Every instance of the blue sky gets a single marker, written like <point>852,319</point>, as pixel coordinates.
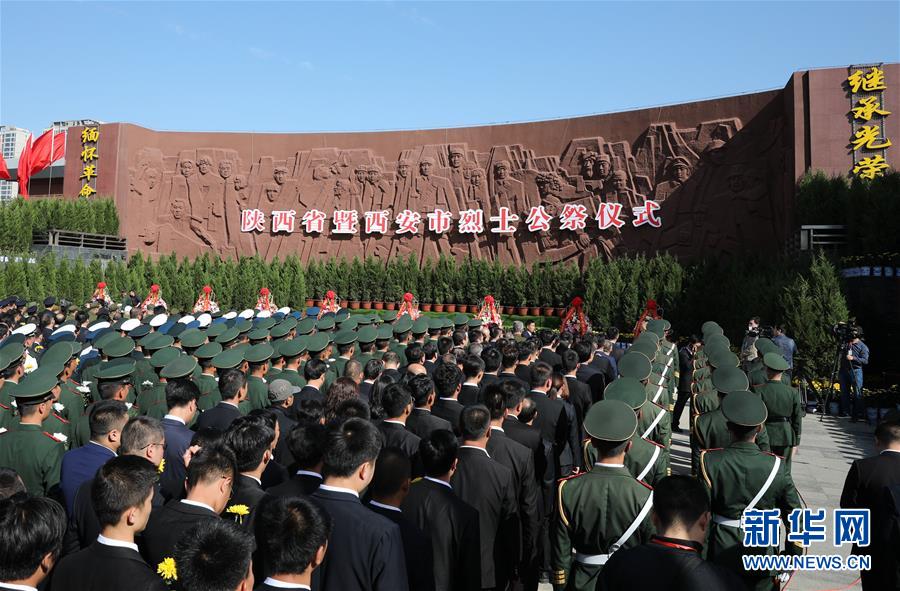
<point>279,66</point>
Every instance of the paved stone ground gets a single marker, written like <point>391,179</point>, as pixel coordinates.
<point>827,448</point>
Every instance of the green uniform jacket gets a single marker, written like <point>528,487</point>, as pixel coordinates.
<point>646,460</point>
<point>785,420</point>
<point>209,392</point>
<point>60,428</point>
<point>71,399</point>
<point>705,402</point>
<point>661,432</point>
<point>595,509</point>
<point>257,393</point>
<point>7,408</point>
<point>152,402</point>
<point>35,455</point>
<point>144,374</point>
<point>711,432</point>
<point>293,377</point>
<point>733,476</point>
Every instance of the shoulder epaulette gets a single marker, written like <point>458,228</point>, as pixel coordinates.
<point>561,480</point>
<point>64,421</point>
<point>51,437</point>
<point>660,445</point>
<point>644,483</point>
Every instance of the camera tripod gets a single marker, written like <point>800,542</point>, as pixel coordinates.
<point>839,354</point>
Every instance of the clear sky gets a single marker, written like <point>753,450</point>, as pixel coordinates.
<point>280,66</point>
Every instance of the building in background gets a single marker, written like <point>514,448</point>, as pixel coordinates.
<point>12,142</point>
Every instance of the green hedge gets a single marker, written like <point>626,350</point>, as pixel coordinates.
<point>19,218</point>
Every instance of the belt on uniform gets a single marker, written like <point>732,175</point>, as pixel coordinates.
<point>778,420</point>
<point>725,521</point>
<point>591,559</point>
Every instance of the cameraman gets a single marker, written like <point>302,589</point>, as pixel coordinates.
<point>748,347</point>
<point>851,375</point>
<point>786,344</point>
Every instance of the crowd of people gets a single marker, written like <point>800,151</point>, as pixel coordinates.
<point>323,450</point>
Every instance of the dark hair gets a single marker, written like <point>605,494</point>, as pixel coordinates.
<point>209,464</point>
<point>295,528</point>
<point>352,408</point>
<point>612,333</point>
<point>529,409</point>
<point>570,360</point>
<point>584,349</point>
<point>430,350</point>
<point>459,337</point>
<point>10,483</point>
<point>214,555</point>
<point>345,348</point>
<point>888,432</point>
<point>510,354</point>
<point>108,388</point>
<point>414,353</point>
<point>249,438</point>
<point>395,399</point>
<point>107,415</point>
<point>181,392</point>
<point>492,359</point>
<point>208,437</point>
<point>438,452</point>
<point>447,378</point>
<point>373,369</point>
<point>314,369</point>
<point>120,484</point>
<point>392,470</point>
<point>307,444</point>
<point>679,499</point>
<point>606,449</point>
<point>140,432</point>
<point>513,393</point>
<point>309,411</point>
<point>230,383</point>
<point>342,389</point>
<point>741,432</point>
<point>474,422</point>
<point>390,357</point>
<point>540,373</point>
<point>420,387</point>
<point>472,365</point>
<point>525,350</point>
<point>350,445</point>
<point>378,388</point>
<point>495,400</point>
<point>352,368</point>
<point>444,344</point>
<point>547,337</point>
<point>30,528</point>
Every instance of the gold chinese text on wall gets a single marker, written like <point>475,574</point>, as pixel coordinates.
<point>868,144</point>
<point>90,137</point>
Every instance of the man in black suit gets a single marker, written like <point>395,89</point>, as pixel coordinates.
<point>371,371</point>
<point>527,355</point>
<point>866,488</point>
<point>314,373</point>
<point>281,401</point>
<point>391,365</point>
<point>30,543</point>
<point>451,523</point>
<point>603,361</point>
<point>365,550</point>
<point>586,373</point>
<point>210,476</point>
<point>307,443</point>
<point>551,417</point>
<point>447,385</point>
<point>518,426</point>
<point>215,554</point>
<point>294,544</point>
<point>251,439</point>
<point>233,387</point>
<point>548,352</point>
<point>122,495</point>
<point>389,488</point>
<point>473,372</point>
<point>397,404</point>
<point>181,402</point>
<point>579,392</point>
<point>488,486</point>
<point>493,359</point>
<point>509,364</point>
<point>421,421</point>
<point>520,461</point>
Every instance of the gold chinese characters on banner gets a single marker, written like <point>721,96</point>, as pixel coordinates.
<point>90,137</point>
<point>868,144</point>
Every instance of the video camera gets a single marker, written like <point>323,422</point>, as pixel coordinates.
<point>844,332</point>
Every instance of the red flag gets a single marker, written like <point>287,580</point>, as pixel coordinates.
<point>4,170</point>
<point>59,146</point>
<point>23,171</point>
<point>41,152</point>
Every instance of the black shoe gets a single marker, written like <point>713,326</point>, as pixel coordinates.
<point>677,430</point>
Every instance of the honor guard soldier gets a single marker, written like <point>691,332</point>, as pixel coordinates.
<point>602,510</point>
<point>257,357</point>
<point>114,383</point>
<point>206,381</point>
<point>741,478</point>
<point>785,419</point>
<point>656,422</point>
<point>27,448</point>
<point>12,357</point>
<point>293,351</point>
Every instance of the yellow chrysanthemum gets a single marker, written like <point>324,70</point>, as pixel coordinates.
<point>166,569</point>
<point>238,510</point>
<point>162,466</point>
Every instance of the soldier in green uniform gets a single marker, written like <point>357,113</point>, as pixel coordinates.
<point>402,334</point>
<point>115,347</point>
<point>656,422</point>
<point>785,420</point>
<point>602,510</point>
<point>740,477</point>
<point>319,347</point>
<point>646,460</point>
<point>345,341</point>
<point>114,383</point>
<point>366,337</point>
<point>55,424</point>
<point>719,360</point>
<point>152,401</point>
<point>206,381</point>
<point>294,353</point>
<point>257,358</point>
<point>181,368</point>
<point>27,448</point>
<point>12,362</point>
<point>757,372</point>
<point>71,403</point>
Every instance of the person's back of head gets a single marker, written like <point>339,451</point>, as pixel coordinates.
<point>680,502</point>
<point>540,374</point>
<point>472,366</point>
<point>438,453</point>
<point>373,369</point>
<point>215,555</point>
<point>526,350</point>
<point>208,437</point>
<point>348,447</point>
<point>181,393</point>
<point>529,410</point>
<point>513,393</point>
<point>510,354</point>
<point>122,490</point>
<point>107,419</point>
<point>414,353</point>
<point>547,337</point>
<point>396,400</point>
<point>459,337</point>
<point>214,469</point>
<point>307,444</point>
<point>392,475</point>
<point>492,359</point>
<point>250,440</point>
<point>108,389</point>
<point>10,483</point>
<point>31,537</point>
<point>518,327</point>
<point>342,389</point>
<point>570,361</point>
<point>444,344</point>
<point>230,383</point>
<point>141,436</point>
<point>349,409</point>
<point>495,401</point>
<point>474,422</point>
<point>447,379</point>
<point>612,333</point>
<point>391,360</point>
<point>584,350</point>
<point>309,411</point>
<point>297,532</point>
<point>430,350</point>
<point>314,369</point>
<point>353,370</point>
<point>420,387</point>
<point>887,434</point>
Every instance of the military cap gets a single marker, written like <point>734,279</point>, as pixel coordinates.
<point>169,326</point>
<point>216,329</point>
<point>657,326</point>
<point>610,420</point>
<point>52,368</point>
<point>246,314</point>
<point>475,323</point>
<point>403,324</point>
<point>115,369</point>
<point>713,330</point>
<point>281,330</point>
<point>775,362</point>
<point>228,359</point>
<point>49,301</point>
<point>31,309</point>
<point>159,320</point>
<point>313,311</point>
<point>11,353</point>
<point>420,326</point>
<point>716,340</point>
<point>390,316</point>
<point>204,320</point>
<point>228,335</point>
<point>281,390</point>
<point>129,325</point>
<point>341,315</point>
<point>208,351</point>
<point>629,390</point>
<point>645,347</point>
<point>728,379</point>
<point>35,387</point>
<point>306,325</point>
<point>266,323</point>
<point>155,341</point>
<point>460,319</point>
<point>764,345</point>
<point>243,325</point>
<point>720,358</point>
<point>447,323</point>
<point>345,337</point>
<point>635,364</point>
<point>259,353</point>
<point>291,347</point>
<point>744,408</point>
<point>15,338</point>
<point>192,337</point>
<point>708,326</point>
<point>164,356</point>
<point>118,347</point>
<point>325,323</point>
<point>367,334</point>
<point>180,367</point>
<point>648,336</point>
<point>435,324</point>
<point>317,342</point>
<point>104,337</point>
<point>139,332</point>
<point>258,334</point>
<point>60,352</point>
<point>363,320</point>
<point>384,333</point>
